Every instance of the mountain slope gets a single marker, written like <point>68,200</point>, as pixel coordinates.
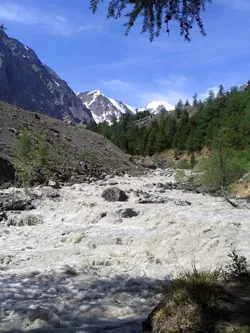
<point>27,83</point>
<point>66,143</point>
<point>104,108</point>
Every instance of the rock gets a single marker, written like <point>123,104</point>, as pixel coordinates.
<point>114,194</point>
<point>3,216</point>
<point>99,217</point>
<point>5,259</point>
<point>168,186</point>
<point>66,269</point>
<point>29,220</point>
<point>128,213</point>
<point>40,317</point>
<point>7,171</point>
<point>112,182</point>
<point>159,185</point>
<point>145,198</point>
<point>53,183</point>
<point>182,202</point>
<point>9,203</point>
<point>103,214</point>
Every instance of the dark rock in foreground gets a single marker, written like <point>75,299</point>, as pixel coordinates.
<point>114,194</point>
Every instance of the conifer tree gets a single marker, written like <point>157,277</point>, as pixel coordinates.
<point>157,13</point>
<point>195,101</point>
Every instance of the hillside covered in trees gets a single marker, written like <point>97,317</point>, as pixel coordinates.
<point>189,128</point>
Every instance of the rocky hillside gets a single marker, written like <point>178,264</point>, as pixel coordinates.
<point>26,82</point>
<point>104,108</point>
<point>66,142</point>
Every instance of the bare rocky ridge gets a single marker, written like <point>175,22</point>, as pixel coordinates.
<point>66,141</point>
<point>76,263</point>
<point>28,83</point>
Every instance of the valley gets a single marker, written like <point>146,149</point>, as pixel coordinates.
<point>125,191</point>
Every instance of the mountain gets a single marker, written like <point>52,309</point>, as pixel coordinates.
<point>158,106</point>
<point>28,83</point>
<point>104,108</point>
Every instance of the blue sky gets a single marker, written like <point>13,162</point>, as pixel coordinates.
<point>90,52</point>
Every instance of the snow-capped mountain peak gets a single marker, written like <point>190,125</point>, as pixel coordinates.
<point>94,92</point>
<point>104,108</point>
<point>158,106</point>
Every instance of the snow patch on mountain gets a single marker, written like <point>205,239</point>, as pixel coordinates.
<point>104,108</point>
<point>158,106</point>
<point>119,105</point>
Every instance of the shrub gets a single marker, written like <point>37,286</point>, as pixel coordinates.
<point>237,269</point>
<point>189,303</point>
<point>32,159</point>
<point>180,175</point>
<point>202,301</point>
<point>222,168</point>
<point>192,161</point>
<point>89,156</point>
<point>184,164</point>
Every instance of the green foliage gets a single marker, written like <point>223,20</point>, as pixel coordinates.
<point>80,126</point>
<point>89,156</point>
<point>183,164</point>
<point>237,269</point>
<point>224,116</point>
<point>32,159</point>
<point>189,304</point>
<point>157,13</point>
<point>222,168</point>
<point>180,175</point>
<point>192,161</point>
<point>200,301</point>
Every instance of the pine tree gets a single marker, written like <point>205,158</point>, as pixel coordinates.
<point>2,30</point>
<point>195,99</point>
<point>155,13</point>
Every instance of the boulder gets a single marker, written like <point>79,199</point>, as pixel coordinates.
<point>3,216</point>
<point>114,194</point>
<point>7,171</point>
<point>28,220</point>
<point>53,183</point>
<point>128,213</point>
<point>9,203</point>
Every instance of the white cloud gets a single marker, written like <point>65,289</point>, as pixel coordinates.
<point>143,96</point>
<point>170,90</point>
<point>55,24</point>
<point>205,94</point>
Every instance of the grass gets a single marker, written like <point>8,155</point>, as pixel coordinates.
<point>204,301</point>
